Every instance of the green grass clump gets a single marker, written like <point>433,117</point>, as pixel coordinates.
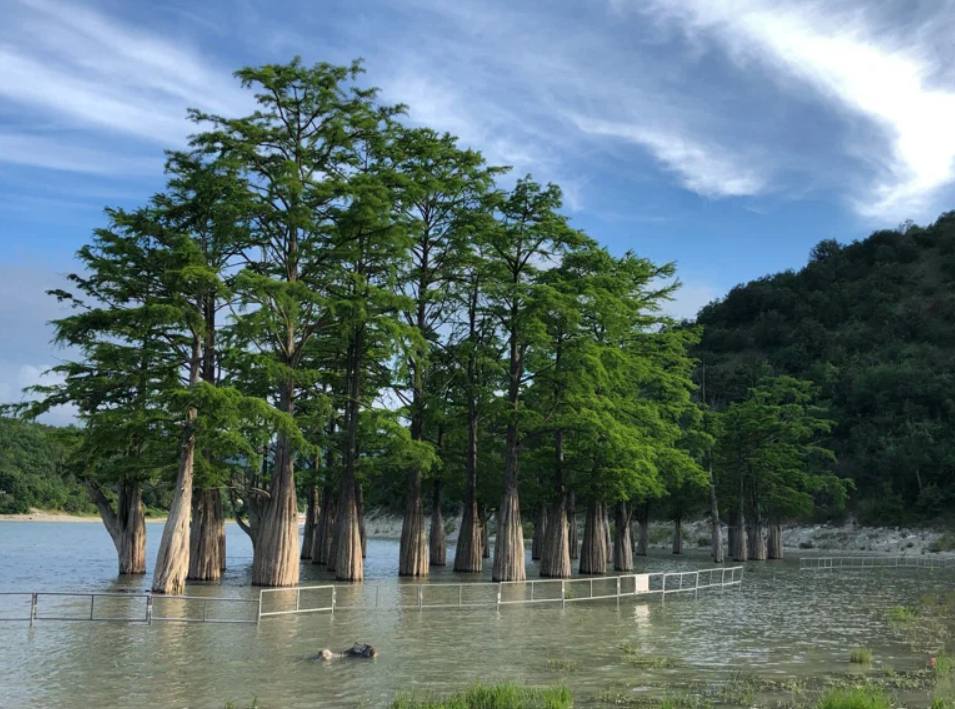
<point>562,665</point>
<point>946,542</point>
<point>861,656</point>
<point>939,703</point>
<point>864,698</point>
<point>492,696</point>
<point>944,664</point>
<point>901,614</point>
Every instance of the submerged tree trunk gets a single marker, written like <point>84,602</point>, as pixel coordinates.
<point>509,546</point>
<point>731,526</point>
<point>622,551</point>
<point>275,559</point>
<point>311,522</point>
<point>335,527</point>
<point>540,532</point>
<point>605,515</point>
<point>413,550</point>
<point>470,546</point>
<point>437,543</point>
<point>360,504</point>
<point>740,546</point>
<point>757,537</point>
<point>573,541</point>
<point>324,527</point>
<point>485,533</point>
<point>172,561</point>
<point>678,535</point>
<point>643,539</point>
<point>348,560</point>
<point>126,525</point>
<point>716,532</point>
<point>206,536</point>
<point>555,556</point>
<point>775,544</point>
<point>593,552</point>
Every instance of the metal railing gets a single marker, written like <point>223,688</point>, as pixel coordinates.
<point>125,607</point>
<point>483,594</point>
<point>827,563</point>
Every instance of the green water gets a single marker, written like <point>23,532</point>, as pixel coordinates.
<point>780,624</point>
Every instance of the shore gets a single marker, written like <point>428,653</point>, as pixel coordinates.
<point>845,538</point>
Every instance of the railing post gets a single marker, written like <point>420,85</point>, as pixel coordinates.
<point>298,598</point>
<point>563,593</point>
<point>92,603</point>
<point>205,605</point>
<point>420,596</point>
<point>498,595</point>
<point>334,598</point>
<point>618,592</point>
<point>258,610</point>
<point>32,608</point>
<point>696,588</point>
<point>532,590</point>
<point>149,610</point>
<point>591,587</point>
<point>460,595</point>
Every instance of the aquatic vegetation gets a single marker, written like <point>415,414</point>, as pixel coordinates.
<point>638,659</point>
<point>563,665</point>
<point>901,614</point>
<point>861,656</point>
<point>492,696</point>
<point>857,698</point>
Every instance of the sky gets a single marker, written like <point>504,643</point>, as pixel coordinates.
<point>728,136</point>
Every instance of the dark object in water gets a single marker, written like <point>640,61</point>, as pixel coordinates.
<point>357,650</point>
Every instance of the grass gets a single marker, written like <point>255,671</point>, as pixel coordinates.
<point>859,698</point>
<point>638,659</point>
<point>491,696</point>
<point>946,542</point>
<point>860,656</point>
<point>901,614</point>
<point>563,666</point>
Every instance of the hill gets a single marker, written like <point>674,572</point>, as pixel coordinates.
<point>872,323</point>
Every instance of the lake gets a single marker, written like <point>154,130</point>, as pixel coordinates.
<point>780,624</point>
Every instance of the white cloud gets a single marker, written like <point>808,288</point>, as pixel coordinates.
<point>707,169</point>
<point>55,153</point>
<point>15,378</point>
<point>853,63</point>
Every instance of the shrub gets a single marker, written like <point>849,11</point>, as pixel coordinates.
<point>861,656</point>
<point>866,698</point>
<point>900,614</point>
<point>450,526</point>
<point>703,542</point>
<point>946,542</point>
<point>806,545</point>
<point>494,696</point>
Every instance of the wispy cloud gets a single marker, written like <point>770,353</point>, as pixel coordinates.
<point>703,168</point>
<point>883,74</point>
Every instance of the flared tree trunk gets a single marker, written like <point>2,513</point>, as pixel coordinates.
<point>413,550</point>
<point>555,557</point>
<point>275,559</point>
<point>437,544</point>
<point>325,527</point>
<point>540,532</point>
<point>593,551</point>
<point>348,560</point>
<point>775,544</point>
<point>126,525</point>
<point>335,528</point>
<point>739,545</point>
<point>716,532</point>
<point>643,539</point>
<point>509,546</point>
<point>757,535</point>
<point>206,536</point>
<point>469,551</point>
<point>678,535</point>
<point>485,533</point>
<point>573,535</point>
<point>605,514</point>
<point>172,561</point>
<point>360,503</point>
<point>622,551</point>
<point>312,510</point>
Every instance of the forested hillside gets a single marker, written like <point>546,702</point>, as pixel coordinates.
<point>34,470</point>
<point>872,324</point>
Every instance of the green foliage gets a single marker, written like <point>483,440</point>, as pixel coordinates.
<point>860,698</point>
<point>860,656</point>
<point>496,696</point>
<point>868,324</point>
<point>946,542</point>
<point>37,469</point>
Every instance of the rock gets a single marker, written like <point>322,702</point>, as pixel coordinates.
<point>361,650</point>
<point>325,654</point>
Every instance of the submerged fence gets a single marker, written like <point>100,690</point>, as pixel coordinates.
<point>828,563</point>
<point>126,608</point>
<point>331,597</point>
<point>154,608</point>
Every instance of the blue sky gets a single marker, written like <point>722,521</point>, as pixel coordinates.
<point>726,135</point>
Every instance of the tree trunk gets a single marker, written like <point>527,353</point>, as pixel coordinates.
<point>555,555</point>
<point>485,533</point>
<point>437,544</point>
<point>348,561</point>
<point>572,539</point>
<point>740,547</point>
<point>540,532</point>
<point>731,527</point>
<point>275,559</point>
<point>757,537</point>
<point>325,529</point>
<point>716,532</point>
<point>469,550</point>
<point>360,503</point>
<point>126,525</point>
<point>593,551</point>
<point>206,550</point>
<point>311,522</point>
<point>509,547</point>
<point>605,515</point>
<point>413,550</point>
<point>678,535</point>
<point>643,517</point>
<point>336,529</point>
<point>622,551</point>
<point>775,550</point>
<point>172,561</point>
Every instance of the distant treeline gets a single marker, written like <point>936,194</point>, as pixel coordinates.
<point>872,325</point>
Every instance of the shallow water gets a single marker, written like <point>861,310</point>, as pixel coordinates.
<point>780,623</point>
